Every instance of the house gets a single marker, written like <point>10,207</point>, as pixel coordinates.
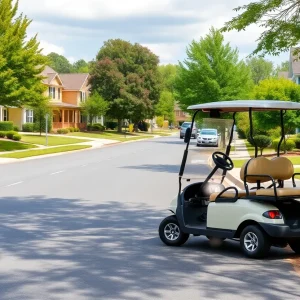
<point>66,92</point>
<point>180,116</point>
<point>294,68</point>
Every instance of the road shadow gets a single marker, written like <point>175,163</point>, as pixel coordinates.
<point>54,248</point>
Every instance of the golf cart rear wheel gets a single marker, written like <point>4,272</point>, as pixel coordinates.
<point>170,232</point>
<point>255,242</point>
<point>295,245</point>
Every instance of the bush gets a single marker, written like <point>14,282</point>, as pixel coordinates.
<point>274,133</point>
<point>297,143</point>
<point>2,134</point>
<point>289,145</point>
<point>16,137</point>
<point>76,129</point>
<point>95,127</point>
<point>111,125</point>
<point>71,129</point>
<point>262,142</point>
<point>62,131</point>
<point>10,134</point>
<point>6,126</point>
<point>160,121</point>
<point>28,127</point>
<point>16,128</point>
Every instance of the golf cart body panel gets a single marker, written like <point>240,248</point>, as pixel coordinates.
<point>240,211</point>
<point>264,214</point>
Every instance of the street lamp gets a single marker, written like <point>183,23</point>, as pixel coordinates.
<point>47,116</point>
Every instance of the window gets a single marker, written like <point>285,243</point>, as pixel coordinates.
<point>177,113</point>
<point>29,116</point>
<point>58,93</point>
<point>82,96</point>
<point>52,92</point>
<point>5,114</point>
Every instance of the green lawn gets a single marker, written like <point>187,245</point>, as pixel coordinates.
<point>52,140</point>
<point>112,135</point>
<point>30,153</point>
<point>12,146</point>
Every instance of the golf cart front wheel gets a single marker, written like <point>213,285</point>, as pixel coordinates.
<point>170,232</point>
<point>255,243</point>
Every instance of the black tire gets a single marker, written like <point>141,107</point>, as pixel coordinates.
<point>177,238</point>
<point>198,145</point>
<point>261,242</point>
<point>295,245</point>
<point>181,137</point>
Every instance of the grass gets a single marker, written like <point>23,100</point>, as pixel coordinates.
<point>52,140</point>
<point>31,153</point>
<point>12,146</point>
<point>112,135</point>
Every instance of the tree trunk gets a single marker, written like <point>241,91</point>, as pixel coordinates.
<point>136,128</point>
<point>120,125</point>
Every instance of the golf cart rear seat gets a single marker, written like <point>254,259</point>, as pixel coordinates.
<point>260,169</point>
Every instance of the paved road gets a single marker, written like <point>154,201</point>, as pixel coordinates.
<point>84,226</point>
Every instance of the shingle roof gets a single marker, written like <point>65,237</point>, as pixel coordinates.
<point>50,74</point>
<point>73,81</point>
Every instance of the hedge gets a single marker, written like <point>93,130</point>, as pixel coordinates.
<point>63,131</point>
<point>95,127</point>
<point>10,134</point>
<point>6,126</point>
<point>28,127</point>
<point>290,145</point>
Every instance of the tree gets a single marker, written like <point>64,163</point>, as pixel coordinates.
<point>212,72</point>
<point>260,68</point>
<point>39,116</point>
<point>168,75</point>
<point>284,66</point>
<point>279,18</point>
<point>94,106</point>
<point>21,61</point>
<point>165,106</point>
<point>80,66</point>
<point>126,76</point>
<point>277,89</point>
<point>59,63</point>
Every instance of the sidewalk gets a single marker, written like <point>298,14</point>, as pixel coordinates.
<point>239,150</point>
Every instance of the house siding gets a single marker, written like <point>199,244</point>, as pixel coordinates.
<point>15,115</point>
<point>70,97</point>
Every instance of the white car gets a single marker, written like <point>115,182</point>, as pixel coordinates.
<point>265,214</point>
<point>208,137</point>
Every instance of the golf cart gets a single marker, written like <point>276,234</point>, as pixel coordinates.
<point>266,213</point>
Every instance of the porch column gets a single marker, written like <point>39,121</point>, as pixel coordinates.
<point>1,113</point>
<point>62,118</point>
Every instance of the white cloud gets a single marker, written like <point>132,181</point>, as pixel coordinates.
<point>48,48</point>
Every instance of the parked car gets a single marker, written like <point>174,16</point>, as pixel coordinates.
<point>208,136</point>
<point>183,128</point>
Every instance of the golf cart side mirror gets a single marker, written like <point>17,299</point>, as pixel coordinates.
<point>187,135</point>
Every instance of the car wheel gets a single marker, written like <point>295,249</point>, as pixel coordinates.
<point>181,137</point>
<point>170,232</point>
<point>198,145</point>
<point>295,245</point>
<point>255,243</point>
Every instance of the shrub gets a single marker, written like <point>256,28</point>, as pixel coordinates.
<point>16,128</point>
<point>2,134</point>
<point>6,126</point>
<point>111,125</point>
<point>76,129</point>
<point>16,137</point>
<point>297,143</point>
<point>10,134</point>
<point>160,121</point>
<point>262,142</point>
<point>71,129</point>
<point>28,127</point>
<point>289,145</point>
<point>274,133</point>
<point>62,131</point>
<point>95,127</point>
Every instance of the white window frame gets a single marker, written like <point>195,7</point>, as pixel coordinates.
<point>52,92</point>
<point>29,116</point>
<point>5,114</point>
<point>82,96</point>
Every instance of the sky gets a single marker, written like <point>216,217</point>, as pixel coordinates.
<point>77,29</point>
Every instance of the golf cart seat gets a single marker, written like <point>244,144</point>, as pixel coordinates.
<point>260,169</point>
<point>230,194</point>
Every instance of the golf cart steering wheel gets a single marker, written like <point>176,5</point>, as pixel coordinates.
<point>222,161</point>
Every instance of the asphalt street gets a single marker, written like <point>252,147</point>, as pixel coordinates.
<point>84,226</point>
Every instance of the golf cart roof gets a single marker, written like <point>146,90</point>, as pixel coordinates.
<point>244,105</point>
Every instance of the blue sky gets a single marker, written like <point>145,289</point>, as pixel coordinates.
<point>77,29</point>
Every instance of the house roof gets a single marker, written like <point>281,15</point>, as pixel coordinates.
<point>295,62</point>
<point>49,75</point>
<point>283,74</point>
<point>74,81</point>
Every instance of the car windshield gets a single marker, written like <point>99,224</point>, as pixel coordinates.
<point>199,161</point>
<point>186,125</point>
<point>208,132</point>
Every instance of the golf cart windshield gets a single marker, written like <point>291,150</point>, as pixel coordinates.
<point>213,136</point>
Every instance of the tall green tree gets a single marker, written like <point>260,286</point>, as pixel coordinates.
<point>59,63</point>
<point>211,72</point>
<point>165,106</point>
<point>277,89</point>
<point>279,18</point>
<point>21,61</point>
<point>284,66</point>
<point>260,68</point>
<point>168,75</point>
<point>94,106</point>
<point>81,66</point>
<point>126,75</point>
